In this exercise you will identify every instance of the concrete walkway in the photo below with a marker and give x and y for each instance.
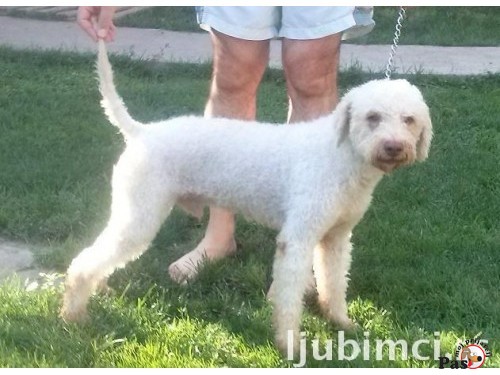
(195, 47)
(59, 13)
(16, 257)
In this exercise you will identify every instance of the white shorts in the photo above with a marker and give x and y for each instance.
(293, 22)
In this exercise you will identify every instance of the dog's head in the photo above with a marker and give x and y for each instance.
(387, 122)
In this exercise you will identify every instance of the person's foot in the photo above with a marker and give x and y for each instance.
(186, 268)
(217, 243)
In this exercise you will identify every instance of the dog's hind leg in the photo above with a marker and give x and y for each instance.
(138, 210)
(332, 260)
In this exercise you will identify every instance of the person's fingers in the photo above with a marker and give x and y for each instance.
(105, 27)
(108, 35)
(84, 19)
(111, 33)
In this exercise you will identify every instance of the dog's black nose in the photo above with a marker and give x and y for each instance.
(479, 358)
(393, 148)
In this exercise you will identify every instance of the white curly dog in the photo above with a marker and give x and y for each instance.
(311, 181)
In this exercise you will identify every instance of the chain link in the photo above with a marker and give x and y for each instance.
(399, 24)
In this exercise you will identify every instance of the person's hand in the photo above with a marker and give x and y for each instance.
(97, 22)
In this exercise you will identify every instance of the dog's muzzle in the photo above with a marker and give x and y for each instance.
(391, 155)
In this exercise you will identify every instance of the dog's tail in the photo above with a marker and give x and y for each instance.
(113, 105)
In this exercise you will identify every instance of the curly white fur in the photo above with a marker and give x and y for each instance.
(311, 181)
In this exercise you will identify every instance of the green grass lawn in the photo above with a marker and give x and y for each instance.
(426, 256)
(447, 26)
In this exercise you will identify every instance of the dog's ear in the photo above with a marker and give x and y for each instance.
(343, 120)
(424, 142)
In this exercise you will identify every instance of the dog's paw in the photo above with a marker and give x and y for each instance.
(288, 343)
(345, 324)
(105, 289)
(74, 315)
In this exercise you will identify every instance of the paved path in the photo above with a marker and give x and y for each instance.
(195, 47)
(58, 13)
(17, 258)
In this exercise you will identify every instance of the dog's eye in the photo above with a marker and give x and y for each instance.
(373, 119)
(409, 120)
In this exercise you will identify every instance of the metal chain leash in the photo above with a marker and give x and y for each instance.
(399, 24)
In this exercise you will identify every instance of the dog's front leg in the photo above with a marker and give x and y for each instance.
(332, 260)
(292, 266)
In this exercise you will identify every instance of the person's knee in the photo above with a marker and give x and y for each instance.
(238, 65)
(310, 78)
(236, 81)
(310, 66)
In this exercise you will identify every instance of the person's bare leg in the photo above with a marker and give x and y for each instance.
(311, 74)
(238, 67)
